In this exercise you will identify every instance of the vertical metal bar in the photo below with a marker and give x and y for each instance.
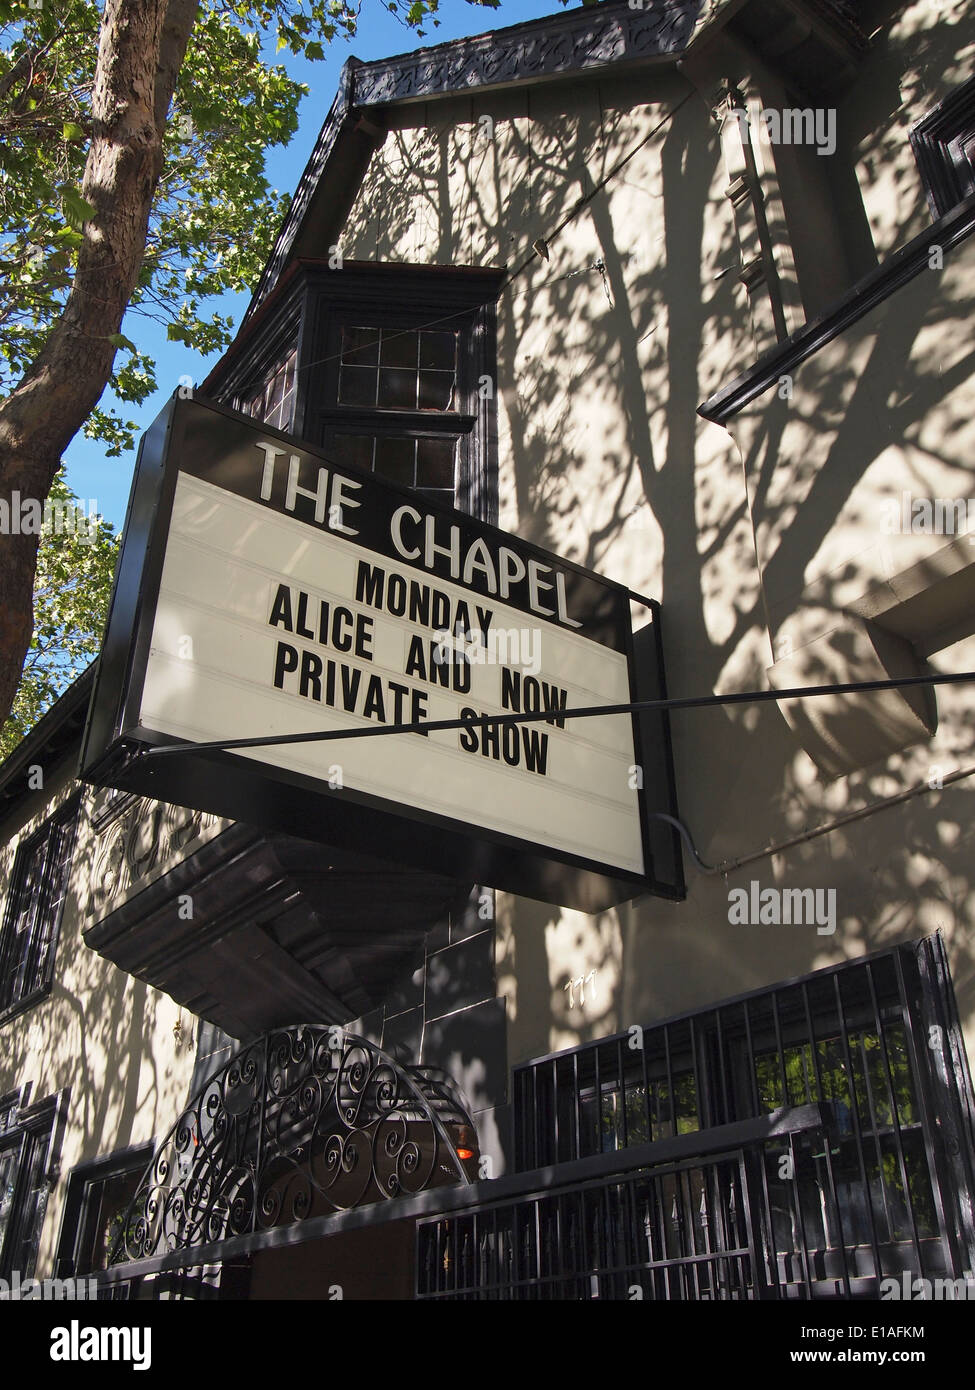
(622, 1072)
(631, 1236)
(497, 1280)
(535, 1155)
(578, 1103)
(663, 1254)
(646, 1083)
(767, 1217)
(671, 1098)
(599, 1104)
(686, 1236)
(605, 1207)
(797, 1207)
(722, 1068)
(702, 1081)
(945, 1090)
(874, 1127)
(921, 1098)
(556, 1156)
(262, 1081)
(752, 1075)
(780, 1051)
(827, 1145)
(895, 1121)
(857, 1128)
(751, 1280)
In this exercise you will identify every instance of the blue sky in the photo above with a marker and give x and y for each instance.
(106, 481)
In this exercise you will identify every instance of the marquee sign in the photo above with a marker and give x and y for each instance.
(263, 590)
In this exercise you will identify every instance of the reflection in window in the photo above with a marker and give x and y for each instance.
(33, 914)
(398, 369)
(104, 1205)
(274, 400)
(425, 463)
(25, 1185)
(640, 1114)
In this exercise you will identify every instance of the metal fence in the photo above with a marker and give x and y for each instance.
(883, 1184)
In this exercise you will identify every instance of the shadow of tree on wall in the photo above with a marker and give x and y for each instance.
(602, 371)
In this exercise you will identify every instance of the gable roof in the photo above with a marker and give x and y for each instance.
(818, 40)
(51, 738)
(574, 41)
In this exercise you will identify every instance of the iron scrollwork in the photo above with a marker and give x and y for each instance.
(305, 1121)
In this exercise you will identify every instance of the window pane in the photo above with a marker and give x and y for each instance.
(354, 449)
(438, 350)
(435, 463)
(394, 460)
(30, 1217)
(397, 388)
(8, 1180)
(273, 400)
(357, 386)
(33, 910)
(436, 390)
(399, 348)
(360, 346)
(107, 1203)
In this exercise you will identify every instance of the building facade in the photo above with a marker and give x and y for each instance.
(682, 293)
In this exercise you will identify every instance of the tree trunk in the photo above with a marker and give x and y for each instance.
(140, 51)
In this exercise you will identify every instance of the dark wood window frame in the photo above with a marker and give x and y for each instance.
(250, 368)
(27, 966)
(81, 1221)
(944, 147)
(412, 297)
(30, 1145)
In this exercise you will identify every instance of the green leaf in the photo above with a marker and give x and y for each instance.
(77, 211)
(119, 340)
(70, 131)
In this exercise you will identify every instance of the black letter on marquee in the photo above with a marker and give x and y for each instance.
(285, 660)
(281, 610)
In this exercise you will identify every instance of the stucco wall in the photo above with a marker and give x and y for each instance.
(603, 459)
(105, 1037)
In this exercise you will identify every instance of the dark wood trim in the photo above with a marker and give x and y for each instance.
(66, 817)
(278, 333)
(47, 743)
(74, 1211)
(464, 297)
(611, 34)
(42, 1123)
(941, 141)
(880, 284)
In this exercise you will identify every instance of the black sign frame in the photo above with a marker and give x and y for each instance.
(279, 799)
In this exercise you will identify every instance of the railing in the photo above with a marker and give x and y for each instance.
(686, 1218)
(885, 1187)
(305, 1121)
(676, 1232)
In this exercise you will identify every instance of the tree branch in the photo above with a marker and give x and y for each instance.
(140, 50)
